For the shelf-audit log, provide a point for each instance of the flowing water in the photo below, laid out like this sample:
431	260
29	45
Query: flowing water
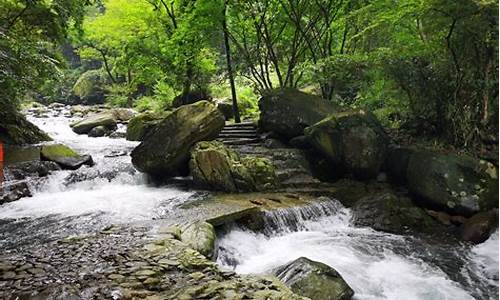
376	265
86	200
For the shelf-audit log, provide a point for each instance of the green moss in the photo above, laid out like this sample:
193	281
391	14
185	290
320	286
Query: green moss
57	151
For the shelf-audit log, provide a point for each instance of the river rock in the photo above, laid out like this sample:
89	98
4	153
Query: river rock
12	191
201	237
393	213
140	125
64	156
214	166
165	151
478	228
123	114
16	130
314	280
105	119
457	184
352	140
287	112
98	131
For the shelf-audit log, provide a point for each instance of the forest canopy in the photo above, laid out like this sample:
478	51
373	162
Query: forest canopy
430	65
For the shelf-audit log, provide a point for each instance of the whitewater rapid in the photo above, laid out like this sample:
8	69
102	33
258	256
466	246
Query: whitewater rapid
376	265
86	200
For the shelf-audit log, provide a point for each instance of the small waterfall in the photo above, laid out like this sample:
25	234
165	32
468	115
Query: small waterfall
301	218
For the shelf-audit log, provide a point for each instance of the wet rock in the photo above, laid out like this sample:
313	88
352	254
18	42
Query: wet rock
393	213
98	131
33	168
459	185
352	140
314	280
479	227
140	125
13	191
201	237
215	166
65	157
287	112
16	130
105	119
165	151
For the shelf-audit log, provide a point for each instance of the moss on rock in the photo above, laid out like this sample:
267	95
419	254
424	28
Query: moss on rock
215	166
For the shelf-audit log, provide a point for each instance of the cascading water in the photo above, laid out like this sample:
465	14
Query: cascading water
82	201
376	265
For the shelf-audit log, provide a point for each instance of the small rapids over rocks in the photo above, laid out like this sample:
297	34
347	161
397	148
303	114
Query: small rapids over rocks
88	199
376	265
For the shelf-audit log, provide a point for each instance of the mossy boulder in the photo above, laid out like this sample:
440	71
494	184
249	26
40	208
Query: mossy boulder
314	280
457	184
200	236
217	167
353	141
288	111
64	156
393	213
89	87
140	125
16	130
165	150
123	114
105	119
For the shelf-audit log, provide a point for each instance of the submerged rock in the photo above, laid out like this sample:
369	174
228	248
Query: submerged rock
217	167
64	156
287	112
459	185
13	191
165	151
352	140
105	119
200	236
314	280
479	227
140	125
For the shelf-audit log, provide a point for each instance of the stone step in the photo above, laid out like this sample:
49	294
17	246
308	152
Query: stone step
238	135
236	130
241	141
242	125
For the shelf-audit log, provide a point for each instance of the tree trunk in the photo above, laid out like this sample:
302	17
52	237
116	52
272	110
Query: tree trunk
236	111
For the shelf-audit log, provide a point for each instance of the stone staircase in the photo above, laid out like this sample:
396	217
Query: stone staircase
239	134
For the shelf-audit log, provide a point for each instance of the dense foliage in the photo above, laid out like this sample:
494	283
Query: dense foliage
428	65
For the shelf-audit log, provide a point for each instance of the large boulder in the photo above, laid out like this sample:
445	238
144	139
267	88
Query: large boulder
457	184
64	156
314	280
123	114
105	119
165	150
287	112
140	125
214	166
201	237
16	130
393	213
351	140
89	88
